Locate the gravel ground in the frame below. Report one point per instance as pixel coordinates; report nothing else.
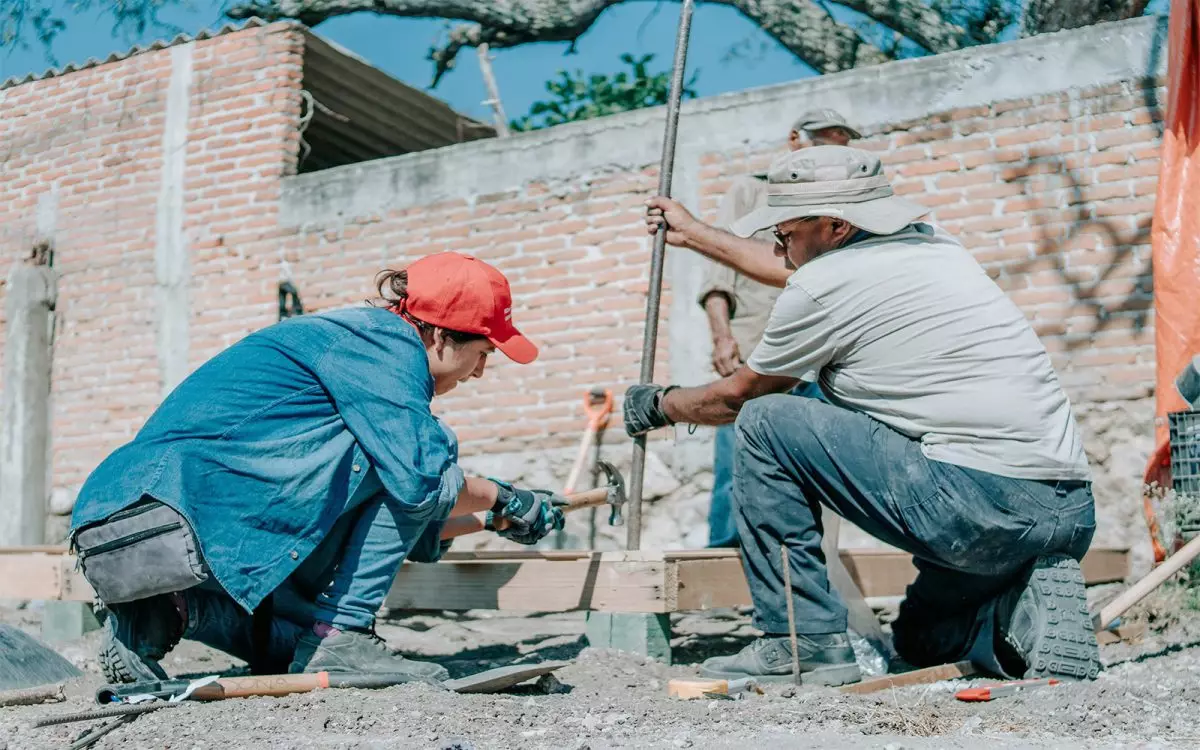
(1147, 697)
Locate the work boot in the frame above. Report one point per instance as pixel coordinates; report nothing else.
(824, 660)
(137, 635)
(1042, 624)
(360, 652)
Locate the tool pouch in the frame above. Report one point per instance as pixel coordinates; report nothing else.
(142, 551)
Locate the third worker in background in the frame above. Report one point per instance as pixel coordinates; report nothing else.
(737, 306)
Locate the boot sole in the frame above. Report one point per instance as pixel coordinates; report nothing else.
(115, 659)
(1065, 646)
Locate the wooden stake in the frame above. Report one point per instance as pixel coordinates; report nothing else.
(791, 610)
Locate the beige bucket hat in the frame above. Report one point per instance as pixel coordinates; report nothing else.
(839, 181)
(820, 119)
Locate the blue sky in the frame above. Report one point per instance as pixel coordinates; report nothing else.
(399, 45)
(730, 53)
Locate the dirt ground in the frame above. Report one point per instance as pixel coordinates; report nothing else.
(1149, 696)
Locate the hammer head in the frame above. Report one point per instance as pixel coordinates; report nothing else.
(616, 491)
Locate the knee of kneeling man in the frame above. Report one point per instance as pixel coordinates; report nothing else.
(766, 412)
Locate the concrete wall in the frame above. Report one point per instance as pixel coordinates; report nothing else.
(1040, 154)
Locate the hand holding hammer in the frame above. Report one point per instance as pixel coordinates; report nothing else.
(611, 494)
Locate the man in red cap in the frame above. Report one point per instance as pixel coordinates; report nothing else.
(268, 503)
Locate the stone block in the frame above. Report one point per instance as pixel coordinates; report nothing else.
(636, 633)
(67, 621)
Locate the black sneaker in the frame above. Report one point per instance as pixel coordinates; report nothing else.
(353, 651)
(137, 635)
(824, 660)
(1043, 628)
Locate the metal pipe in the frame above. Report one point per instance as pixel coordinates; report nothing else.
(650, 339)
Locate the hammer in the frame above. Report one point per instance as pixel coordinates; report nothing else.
(612, 495)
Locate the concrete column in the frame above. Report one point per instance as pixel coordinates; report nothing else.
(25, 404)
(171, 267)
(687, 327)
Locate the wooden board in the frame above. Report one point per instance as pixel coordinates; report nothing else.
(554, 581)
(41, 575)
(924, 676)
(534, 585)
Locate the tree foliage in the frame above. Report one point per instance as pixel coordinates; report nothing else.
(575, 96)
(23, 21)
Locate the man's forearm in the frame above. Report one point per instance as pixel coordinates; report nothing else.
(719, 402)
(716, 307)
(749, 257)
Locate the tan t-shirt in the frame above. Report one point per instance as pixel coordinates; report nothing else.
(910, 330)
(750, 302)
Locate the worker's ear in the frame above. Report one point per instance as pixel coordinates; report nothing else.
(439, 341)
(842, 231)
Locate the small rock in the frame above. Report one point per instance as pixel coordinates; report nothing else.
(682, 741)
(788, 692)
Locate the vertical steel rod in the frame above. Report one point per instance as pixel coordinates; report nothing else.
(649, 341)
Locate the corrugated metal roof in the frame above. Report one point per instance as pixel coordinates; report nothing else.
(158, 44)
(363, 113)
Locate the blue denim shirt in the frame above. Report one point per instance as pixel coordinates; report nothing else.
(263, 446)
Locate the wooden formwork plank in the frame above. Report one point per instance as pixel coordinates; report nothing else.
(42, 576)
(536, 585)
(553, 581)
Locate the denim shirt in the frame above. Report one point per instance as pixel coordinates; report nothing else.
(264, 445)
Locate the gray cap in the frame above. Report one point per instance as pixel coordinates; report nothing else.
(819, 119)
(838, 181)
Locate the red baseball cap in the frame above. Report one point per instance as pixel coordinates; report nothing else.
(465, 294)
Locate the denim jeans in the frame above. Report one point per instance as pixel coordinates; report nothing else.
(722, 529)
(972, 533)
(343, 582)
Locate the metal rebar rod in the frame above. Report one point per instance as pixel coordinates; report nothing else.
(124, 709)
(666, 170)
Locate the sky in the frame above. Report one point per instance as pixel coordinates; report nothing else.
(729, 52)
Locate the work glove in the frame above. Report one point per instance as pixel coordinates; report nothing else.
(530, 514)
(643, 409)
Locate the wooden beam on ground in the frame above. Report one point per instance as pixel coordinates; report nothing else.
(924, 676)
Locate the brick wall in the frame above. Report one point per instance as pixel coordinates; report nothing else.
(1051, 186)
(86, 150)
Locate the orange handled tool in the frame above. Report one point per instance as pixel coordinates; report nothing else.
(1002, 690)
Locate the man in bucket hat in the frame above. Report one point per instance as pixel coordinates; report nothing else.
(948, 434)
(737, 307)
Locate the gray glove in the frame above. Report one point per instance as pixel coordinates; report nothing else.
(529, 514)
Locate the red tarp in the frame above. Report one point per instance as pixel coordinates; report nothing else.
(1175, 234)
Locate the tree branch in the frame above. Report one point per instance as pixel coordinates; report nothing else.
(804, 28)
(801, 26)
(915, 20)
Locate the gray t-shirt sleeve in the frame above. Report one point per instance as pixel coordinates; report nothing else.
(799, 340)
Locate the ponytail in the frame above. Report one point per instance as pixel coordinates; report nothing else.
(393, 290)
